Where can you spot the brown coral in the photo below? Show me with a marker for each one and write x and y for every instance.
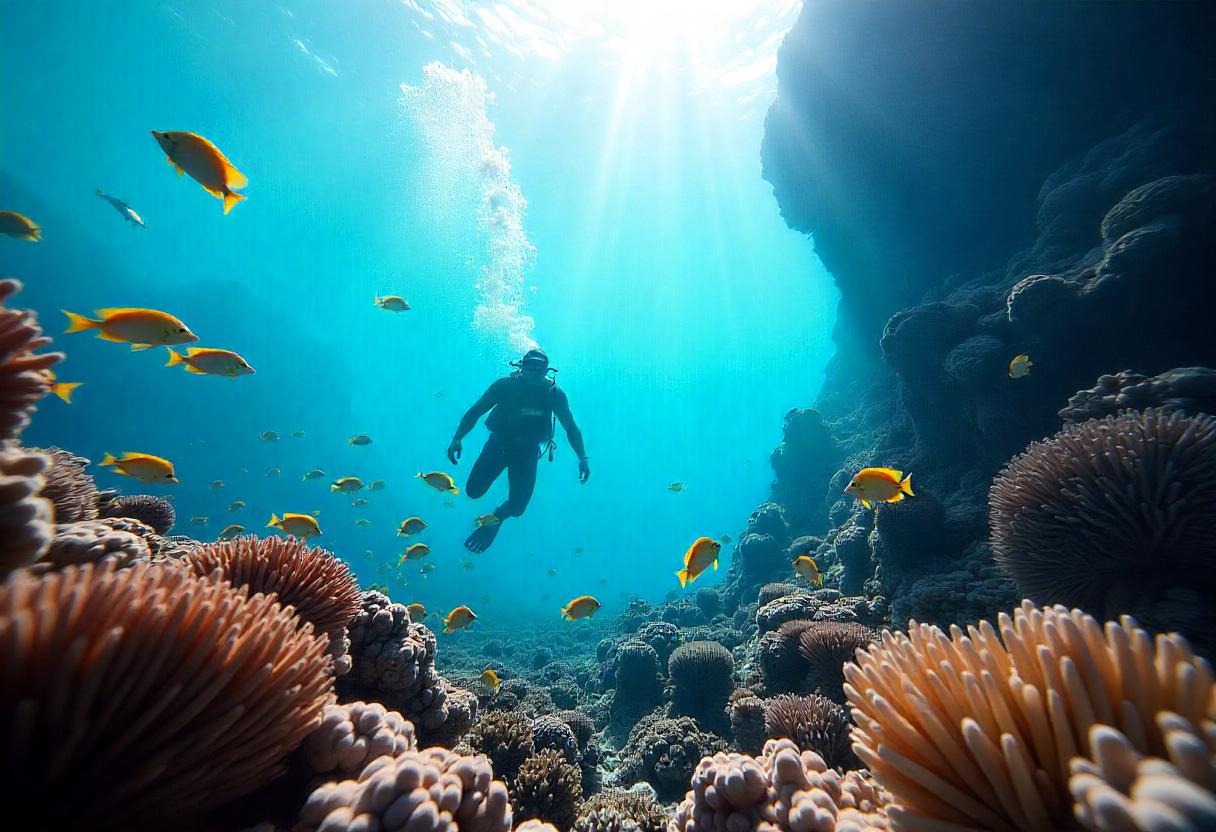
(25, 518)
(580, 724)
(434, 790)
(316, 584)
(23, 379)
(617, 810)
(813, 723)
(155, 512)
(352, 735)
(91, 542)
(778, 589)
(825, 646)
(978, 728)
(68, 486)
(506, 738)
(782, 790)
(1110, 514)
(134, 696)
(548, 788)
(702, 674)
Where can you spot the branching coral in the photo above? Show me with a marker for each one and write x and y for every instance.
(25, 518)
(548, 788)
(1121, 789)
(434, 790)
(156, 512)
(1111, 515)
(702, 674)
(978, 727)
(23, 379)
(617, 810)
(316, 584)
(352, 735)
(68, 486)
(813, 723)
(191, 690)
(825, 647)
(782, 790)
(506, 738)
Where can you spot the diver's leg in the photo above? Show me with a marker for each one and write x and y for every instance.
(521, 480)
(487, 468)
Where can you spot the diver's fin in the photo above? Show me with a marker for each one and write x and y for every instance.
(231, 198)
(79, 323)
(906, 486)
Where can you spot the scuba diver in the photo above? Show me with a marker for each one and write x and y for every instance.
(525, 406)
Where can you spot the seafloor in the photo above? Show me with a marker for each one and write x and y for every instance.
(1005, 179)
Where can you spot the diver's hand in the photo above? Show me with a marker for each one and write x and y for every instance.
(454, 451)
(584, 470)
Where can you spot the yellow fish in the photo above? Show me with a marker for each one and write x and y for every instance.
(700, 556)
(393, 303)
(416, 552)
(584, 606)
(490, 679)
(143, 467)
(274, 472)
(199, 521)
(490, 519)
(439, 481)
(141, 328)
(417, 612)
(297, 434)
(20, 226)
(62, 389)
(359, 502)
(236, 505)
(206, 361)
(412, 526)
(377, 485)
(359, 440)
(805, 566)
(361, 522)
(297, 525)
(425, 568)
(347, 485)
(458, 619)
(191, 153)
(677, 487)
(269, 436)
(1020, 366)
(314, 474)
(879, 485)
(231, 531)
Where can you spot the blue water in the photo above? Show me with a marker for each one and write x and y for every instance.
(684, 316)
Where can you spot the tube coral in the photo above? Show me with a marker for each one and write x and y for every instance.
(23, 379)
(68, 486)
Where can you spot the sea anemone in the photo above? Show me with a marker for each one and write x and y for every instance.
(190, 690)
(813, 723)
(23, 379)
(825, 647)
(26, 526)
(702, 674)
(1110, 514)
(352, 735)
(435, 790)
(156, 512)
(506, 738)
(781, 665)
(978, 728)
(68, 486)
(316, 584)
(548, 788)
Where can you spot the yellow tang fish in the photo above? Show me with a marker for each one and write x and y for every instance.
(314, 474)
(1020, 366)
(584, 606)
(191, 153)
(20, 226)
(141, 328)
(417, 612)
(296, 525)
(458, 619)
(62, 389)
(231, 531)
(206, 361)
(700, 556)
(359, 440)
(416, 552)
(143, 467)
(805, 566)
(411, 526)
(347, 485)
(490, 519)
(439, 481)
(490, 679)
(393, 303)
(879, 485)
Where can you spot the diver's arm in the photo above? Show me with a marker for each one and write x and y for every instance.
(573, 434)
(469, 420)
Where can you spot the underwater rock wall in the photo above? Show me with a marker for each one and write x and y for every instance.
(923, 145)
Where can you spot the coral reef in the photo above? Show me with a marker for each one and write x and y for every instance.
(550, 732)
(352, 735)
(548, 788)
(434, 790)
(664, 752)
(978, 728)
(505, 738)
(617, 810)
(813, 723)
(23, 379)
(26, 520)
(772, 591)
(243, 685)
(580, 725)
(94, 541)
(1115, 516)
(781, 664)
(782, 790)
(1191, 390)
(69, 486)
(156, 512)
(804, 463)
(747, 728)
(825, 647)
(759, 556)
(702, 672)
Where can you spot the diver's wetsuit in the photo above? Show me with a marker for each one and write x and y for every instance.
(522, 408)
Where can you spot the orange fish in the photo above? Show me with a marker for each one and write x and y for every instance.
(700, 555)
(879, 485)
(191, 153)
(458, 619)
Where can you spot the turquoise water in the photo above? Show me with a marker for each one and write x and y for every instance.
(632, 237)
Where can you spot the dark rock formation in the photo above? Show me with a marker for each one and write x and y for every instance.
(1189, 389)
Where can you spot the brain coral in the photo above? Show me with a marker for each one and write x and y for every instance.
(1113, 515)
(352, 735)
(192, 690)
(25, 518)
(69, 486)
(548, 788)
(156, 512)
(782, 790)
(434, 790)
(23, 378)
(978, 728)
(813, 723)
